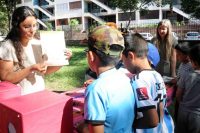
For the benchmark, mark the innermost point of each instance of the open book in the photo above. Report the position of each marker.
(53, 44)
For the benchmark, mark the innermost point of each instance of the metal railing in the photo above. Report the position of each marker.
(179, 28)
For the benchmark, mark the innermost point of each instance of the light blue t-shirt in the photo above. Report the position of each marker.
(110, 101)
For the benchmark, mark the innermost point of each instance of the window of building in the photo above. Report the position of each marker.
(150, 15)
(125, 16)
(75, 5)
(62, 22)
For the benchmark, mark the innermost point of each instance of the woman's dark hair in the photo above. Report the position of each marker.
(18, 16)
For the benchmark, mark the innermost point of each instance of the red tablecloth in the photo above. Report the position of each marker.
(78, 105)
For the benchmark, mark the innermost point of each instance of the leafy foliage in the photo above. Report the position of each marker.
(130, 6)
(3, 23)
(7, 7)
(3, 19)
(192, 7)
(49, 26)
(125, 5)
(163, 2)
(73, 23)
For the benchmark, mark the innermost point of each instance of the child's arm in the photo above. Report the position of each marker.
(179, 94)
(149, 120)
(181, 86)
(96, 128)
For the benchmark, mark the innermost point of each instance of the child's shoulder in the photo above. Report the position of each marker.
(147, 75)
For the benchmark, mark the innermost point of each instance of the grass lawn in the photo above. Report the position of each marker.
(71, 76)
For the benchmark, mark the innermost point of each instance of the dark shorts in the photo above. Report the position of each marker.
(187, 122)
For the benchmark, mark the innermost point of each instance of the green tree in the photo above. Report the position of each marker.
(3, 21)
(7, 7)
(192, 7)
(73, 23)
(130, 6)
(49, 26)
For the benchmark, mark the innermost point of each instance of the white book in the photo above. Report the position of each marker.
(53, 44)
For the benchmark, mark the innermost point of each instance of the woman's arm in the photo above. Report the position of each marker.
(52, 69)
(173, 63)
(7, 73)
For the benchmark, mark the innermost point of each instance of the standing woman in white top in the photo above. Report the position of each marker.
(17, 58)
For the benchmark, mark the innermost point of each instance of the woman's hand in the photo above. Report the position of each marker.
(40, 67)
(68, 53)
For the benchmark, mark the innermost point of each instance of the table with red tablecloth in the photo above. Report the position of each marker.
(78, 105)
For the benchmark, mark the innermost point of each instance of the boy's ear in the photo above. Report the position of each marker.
(91, 56)
(131, 55)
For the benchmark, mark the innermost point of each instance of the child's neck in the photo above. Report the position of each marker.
(143, 65)
(103, 69)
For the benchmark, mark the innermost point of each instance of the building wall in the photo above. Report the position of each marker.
(64, 10)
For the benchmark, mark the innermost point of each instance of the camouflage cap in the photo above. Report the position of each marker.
(103, 37)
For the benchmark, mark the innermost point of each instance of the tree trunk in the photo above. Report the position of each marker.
(9, 22)
(129, 21)
(171, 6)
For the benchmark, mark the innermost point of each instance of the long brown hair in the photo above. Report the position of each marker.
(168, 38)
(18, 16)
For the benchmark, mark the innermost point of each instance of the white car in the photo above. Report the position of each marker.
(192, 36)
(147, 36)
(175, 35)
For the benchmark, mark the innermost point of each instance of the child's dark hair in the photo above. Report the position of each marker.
(194, 54)
(135, 43)
(183, 47)
(91, 73)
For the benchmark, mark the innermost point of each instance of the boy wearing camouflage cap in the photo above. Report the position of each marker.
(109, 100)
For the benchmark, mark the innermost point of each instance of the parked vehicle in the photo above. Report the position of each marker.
(147, 36)
(175, 35)
(192, 36)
